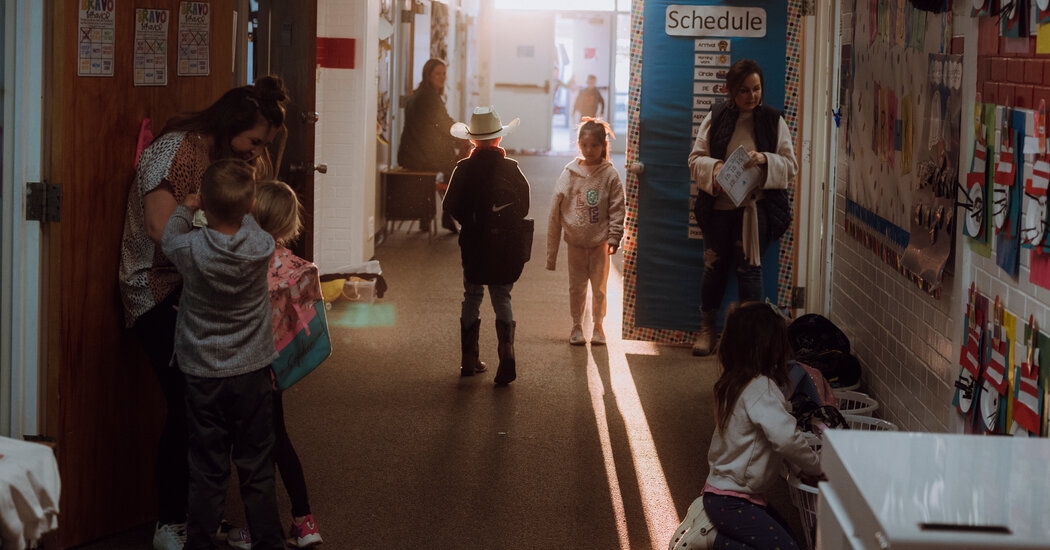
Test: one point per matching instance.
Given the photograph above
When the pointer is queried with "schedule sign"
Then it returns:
(733, 21)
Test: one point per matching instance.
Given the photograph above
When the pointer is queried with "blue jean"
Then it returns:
(724, 252)
(473, 294)
(742, 524)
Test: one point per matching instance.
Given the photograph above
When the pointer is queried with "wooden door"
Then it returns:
(287, 47)
(102, 401)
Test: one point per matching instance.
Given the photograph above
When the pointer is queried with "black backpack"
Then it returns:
(822, 345)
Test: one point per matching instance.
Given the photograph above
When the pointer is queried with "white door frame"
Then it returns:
(820, 91)
(20, 304)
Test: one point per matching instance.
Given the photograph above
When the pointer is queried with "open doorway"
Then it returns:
(583, 73)
(581, 40)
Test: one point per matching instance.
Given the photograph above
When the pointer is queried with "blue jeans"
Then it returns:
(724, 252)
(473, 294)
(743, 524)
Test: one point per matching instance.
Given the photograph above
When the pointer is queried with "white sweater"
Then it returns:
(588, 206)
(760, 432)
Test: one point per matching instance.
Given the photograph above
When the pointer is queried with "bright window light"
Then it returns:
(557, 5)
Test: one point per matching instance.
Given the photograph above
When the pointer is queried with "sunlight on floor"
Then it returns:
(658, 506)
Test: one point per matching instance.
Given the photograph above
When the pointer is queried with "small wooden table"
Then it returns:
(408, 195)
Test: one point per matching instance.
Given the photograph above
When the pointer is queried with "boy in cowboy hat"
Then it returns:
(489, 196)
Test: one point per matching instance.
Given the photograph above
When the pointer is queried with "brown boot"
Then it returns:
(705, 339)
(506, 372)
(468, 340)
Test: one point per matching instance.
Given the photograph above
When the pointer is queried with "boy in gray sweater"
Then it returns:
(224, 345)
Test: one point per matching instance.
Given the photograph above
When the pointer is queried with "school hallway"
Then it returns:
(591, 447)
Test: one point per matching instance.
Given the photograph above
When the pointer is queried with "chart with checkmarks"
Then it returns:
(96, 38)
(194, 56)
(151, 47)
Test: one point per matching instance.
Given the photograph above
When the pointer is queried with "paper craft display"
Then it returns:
(967, 386)
(974, 206)
(1008, 203)
(736, 178)
(993, 392)
(1034, 211)
(1028, 391)
(1004, 180)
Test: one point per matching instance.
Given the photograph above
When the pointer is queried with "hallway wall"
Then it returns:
(344, 201)
(907, 341)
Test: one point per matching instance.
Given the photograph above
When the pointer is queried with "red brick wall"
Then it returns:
(1006, 76)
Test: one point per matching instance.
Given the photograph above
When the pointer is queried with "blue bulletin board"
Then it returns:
(680, 79)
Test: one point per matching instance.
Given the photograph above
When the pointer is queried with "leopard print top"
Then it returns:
(147, 277)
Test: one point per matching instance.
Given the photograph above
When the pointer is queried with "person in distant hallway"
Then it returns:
(589, 102)
(425, 141)
(489, 196)
(589, 204)
(240, 124)
(224, 347)
(736, 236)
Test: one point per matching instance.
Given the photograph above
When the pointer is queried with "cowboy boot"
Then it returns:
(705, 340)
(505, 374)
(468, 343)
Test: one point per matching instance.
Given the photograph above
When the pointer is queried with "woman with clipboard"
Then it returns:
(736, 233)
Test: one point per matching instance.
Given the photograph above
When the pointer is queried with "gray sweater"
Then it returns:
(223, 328)
(759, 435)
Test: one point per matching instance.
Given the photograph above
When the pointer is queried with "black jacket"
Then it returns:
(489, 196)
(425, 141)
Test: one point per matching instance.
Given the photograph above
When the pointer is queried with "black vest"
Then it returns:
(774, 208)
(723, 122)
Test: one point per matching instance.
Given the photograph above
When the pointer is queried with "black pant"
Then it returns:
(155, 330)
(231, 413)
(723, 253)
(288, 461)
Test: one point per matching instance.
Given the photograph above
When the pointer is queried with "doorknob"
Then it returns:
(306, 167)
(309, 118)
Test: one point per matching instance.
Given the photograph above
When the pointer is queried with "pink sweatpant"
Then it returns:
(588, 265)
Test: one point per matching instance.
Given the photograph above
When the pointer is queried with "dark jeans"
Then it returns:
(288, 461)
(499, 295)
(225, 414)
(155, 330)
(742, 524)
(724, 252)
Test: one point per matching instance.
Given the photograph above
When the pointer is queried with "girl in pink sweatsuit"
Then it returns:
(589, 205)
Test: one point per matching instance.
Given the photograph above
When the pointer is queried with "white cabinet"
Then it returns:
(911, 491)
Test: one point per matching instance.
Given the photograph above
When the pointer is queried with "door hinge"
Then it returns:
(43, 202)
(798, 297)
(809, 7)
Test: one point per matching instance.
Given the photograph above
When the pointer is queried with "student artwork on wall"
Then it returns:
(903, 137)
(662, 264)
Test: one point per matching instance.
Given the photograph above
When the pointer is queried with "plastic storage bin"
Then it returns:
(359, 291)
(805, 499)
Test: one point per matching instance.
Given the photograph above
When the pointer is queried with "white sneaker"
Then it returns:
(598, 336)
(169, 537)
(576, 338)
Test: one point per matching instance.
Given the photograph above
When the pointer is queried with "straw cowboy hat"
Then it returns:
(484, 124)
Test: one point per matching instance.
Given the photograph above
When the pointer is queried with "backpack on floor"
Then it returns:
(820, 344)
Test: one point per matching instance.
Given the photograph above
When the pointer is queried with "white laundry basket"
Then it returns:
(855, 403)
(804, 497)
(857, 422)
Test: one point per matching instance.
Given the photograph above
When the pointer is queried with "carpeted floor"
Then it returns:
(591, 448)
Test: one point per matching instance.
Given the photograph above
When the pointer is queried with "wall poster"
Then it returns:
(902, 136)
(151, 47)
(194, 58)
(96, 31)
